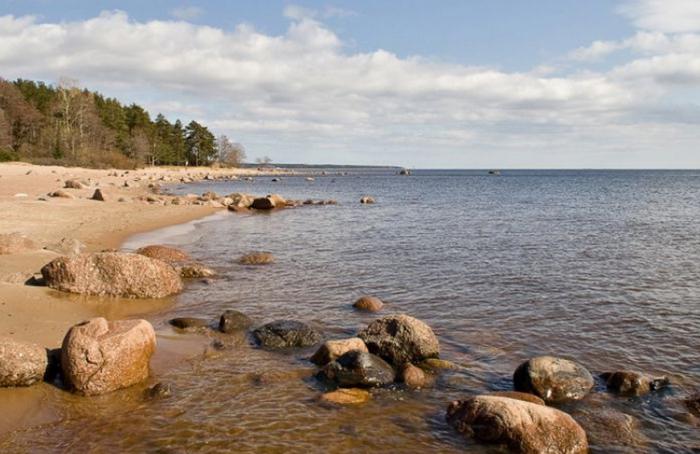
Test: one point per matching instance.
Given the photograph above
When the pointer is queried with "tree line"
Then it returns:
(64, 124)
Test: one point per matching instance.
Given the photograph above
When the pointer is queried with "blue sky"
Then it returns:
(472, 84)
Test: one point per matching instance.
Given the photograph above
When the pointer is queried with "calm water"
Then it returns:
(601, 267)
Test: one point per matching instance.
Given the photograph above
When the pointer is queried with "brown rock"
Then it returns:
(257, 258)
(346, 396)
(522, 427)
(435, 364)
(73, 184)
(15, 243)
(413, 376)
(98, 356)
(333, 349)
(525, 397)
(98, 195)
(369, 304)
(195, 270)
(112, 274)
(630, 383)
(61, 193)
(21, 363)
(400, 339)
(553, 379)
(693, 404)
(168, 254)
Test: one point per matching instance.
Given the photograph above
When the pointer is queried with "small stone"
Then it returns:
(367, 200)
(346, 396)
(369, 304)
(257, 258)
(158, 391)
(413, 376)
(98, 195)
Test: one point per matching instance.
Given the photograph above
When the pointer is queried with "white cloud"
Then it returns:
(297, 95)
(186, 12)
(671, 16)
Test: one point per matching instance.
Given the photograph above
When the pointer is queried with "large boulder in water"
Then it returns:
(286, 334)
(21, 363)
(523, 427)
(112, 274)
(100, 356)
(168, 254)
(400, 339)
(630, 383)
(358, 368)
(553, 379)
(333, 349)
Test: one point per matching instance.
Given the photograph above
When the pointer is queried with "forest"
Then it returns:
(68, 125)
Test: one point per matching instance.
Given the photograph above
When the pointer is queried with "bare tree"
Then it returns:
(230, 154)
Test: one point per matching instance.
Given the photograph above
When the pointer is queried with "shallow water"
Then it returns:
(601, 267)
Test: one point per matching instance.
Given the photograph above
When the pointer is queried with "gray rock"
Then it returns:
(233, 321)
(286, 334)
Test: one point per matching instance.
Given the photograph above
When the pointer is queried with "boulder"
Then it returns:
(112, 274)
(368, 303)
(553, 379)
(168, 254)
(333, 349)
(630, 383)
(358, 368)
(400, 339)
(98, 195)
(73, 184)
(257, 258)
(522, 427)
(15, 243)
(367, 200)
(195, 270)
(98, 356)
(346, 396)
(263, 203)
(189, 323)
(517, 395)
(232, 321)
(413, 376)
(21, 363)
(286, 334)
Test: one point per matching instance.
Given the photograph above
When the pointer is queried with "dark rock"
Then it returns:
(693, 404)
(630, 383)
(553, 379)
(263, 203)
(358, 368)
(286, 334)
(232, 321)
(98, 195)
(158, 391)
(333, 349)
(189, 323)
(520, 426)
(401, 339)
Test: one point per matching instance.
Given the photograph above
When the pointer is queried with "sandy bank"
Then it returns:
(42, 315)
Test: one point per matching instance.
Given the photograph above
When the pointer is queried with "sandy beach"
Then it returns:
(41, 315)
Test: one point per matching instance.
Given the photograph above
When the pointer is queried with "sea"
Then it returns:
(601, 267)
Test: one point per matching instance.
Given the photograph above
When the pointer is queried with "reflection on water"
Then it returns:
(601, 267)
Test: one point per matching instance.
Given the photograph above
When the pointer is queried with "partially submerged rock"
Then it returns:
(233, 321)
(15, 243)
(367, 200)
(368, 303)
(286, 334)
(346, 396)
(168, 254)
(358, 368)
(333, 349)
(630, 383)
(21, 363)
(195, 270)
(517, 395)
(257, 258)
(413, 376)
(522, 427)
(553, 379)
(189, 323)
(112, 274)
(158, 391)
(401, 339)
(98, 356)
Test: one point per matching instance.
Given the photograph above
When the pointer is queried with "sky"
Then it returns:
(415, 83)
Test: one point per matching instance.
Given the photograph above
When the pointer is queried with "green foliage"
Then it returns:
(64, 124)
